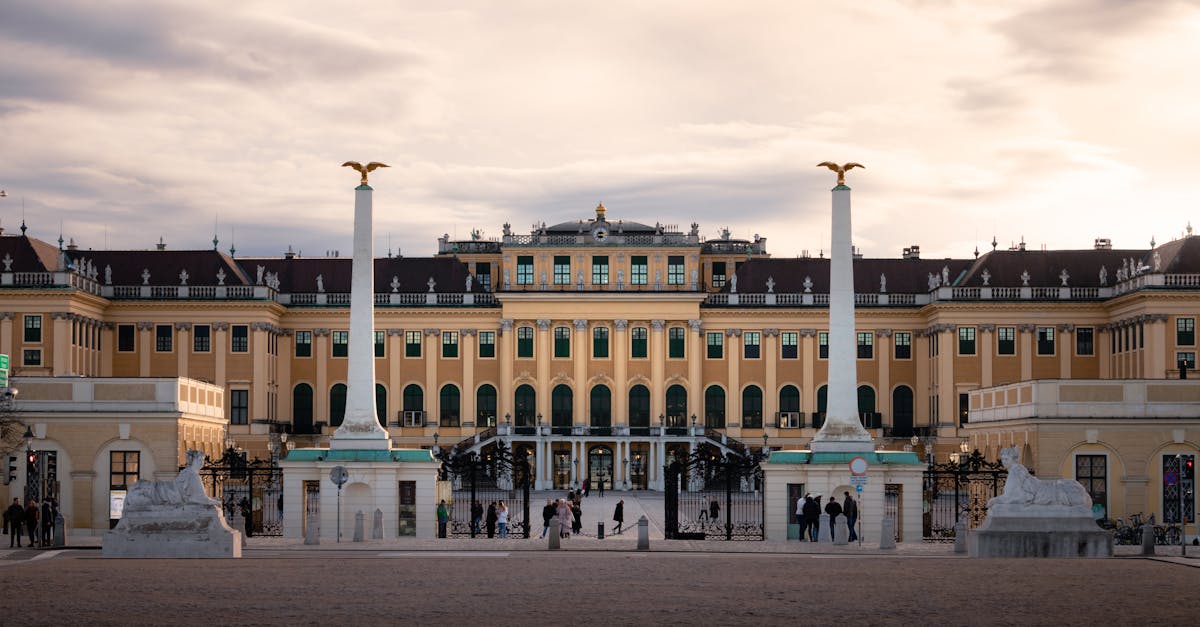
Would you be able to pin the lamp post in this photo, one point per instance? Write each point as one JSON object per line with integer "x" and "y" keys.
{"x": 29, "y": 457}
{"x": 693, "y": 424}
{"x": 765, "y": 450}
{"x": 436, "y": 448}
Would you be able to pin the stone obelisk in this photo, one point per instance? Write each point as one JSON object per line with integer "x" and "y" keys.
{"x": 842, "y": 431}
{"x": 360, "y": 429}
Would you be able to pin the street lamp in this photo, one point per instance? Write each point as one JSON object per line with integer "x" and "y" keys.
{"x": 765, "y": 449}
{"x": 539, "y": 419}
{"x": 508, "y": 419}
{"x": 28, "y": 439}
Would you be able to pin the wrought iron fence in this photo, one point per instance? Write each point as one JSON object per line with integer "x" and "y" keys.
{"x": 959, "y": 489}
{"x": 480, "y": 482}
{"x": 712, "y": 497}
{"x": 252, "y": 487}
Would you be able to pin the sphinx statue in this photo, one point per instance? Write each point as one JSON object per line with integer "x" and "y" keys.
{"x": 1022, "y": 488}
{"x": 185, "y": 489}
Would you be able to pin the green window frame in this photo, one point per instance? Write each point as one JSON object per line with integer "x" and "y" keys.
{"x": 716, "y": 344}
{"x": 718, "y": 274}
{"x": 676, "y": 338}
{"x": 524, "y": 269}
{"x": 600, "y": 270}
{"x": 33, "y": 328}
{"x": 562, "y": 269}
{"x": 675, "y": 270}
{"x": 1045, "y": 340}
{"x": 903, "y": 345}
{"x": 303, "y": 346}
{"x": 637, "y": 338}
{"x": 487, "y": 344}
{"x": 1085, "y": 341}
{"x": 412, "y": 343}
{"x": 525, "y": 342}
{"x": 341, "y": 343}
{"x": 966, "y": 340}
{"x": 751, "y": 345}
{"x": 823, "y": 345}
{"x": 449, "y": 344}
{"x": 1185, "y": 331}
{"x": 789, "y": 345}
{"x": 380, "y": 343}
{"x": 239, "y": 339}
{"x": 562, "y": 342}
{"x": 1006, "y": 341}
{"x": 600, "y": 342}
{"x": 639, "y": 270}
{"x": 866, "y": 345}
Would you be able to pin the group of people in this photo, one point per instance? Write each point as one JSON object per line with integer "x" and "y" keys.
{"x": 808, "y": 515}
{"x": 565, "y": 514}
{"x": 495, "y": 523}
{"x": 25, "y": 520}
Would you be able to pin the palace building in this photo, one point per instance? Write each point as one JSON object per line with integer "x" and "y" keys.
{"x": 604, "y": 347}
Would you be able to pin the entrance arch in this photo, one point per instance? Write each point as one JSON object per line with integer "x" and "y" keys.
{"x": 600, "y": 467}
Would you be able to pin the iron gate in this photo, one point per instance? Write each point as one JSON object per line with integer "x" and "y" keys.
{"x": 959, "y": 488}
{"x": 254, "y": 488}
{"x": 487, "y": 478}
{"x": 710, "y": 497}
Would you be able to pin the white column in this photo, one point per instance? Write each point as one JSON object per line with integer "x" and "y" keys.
{"x": 360, "y": 429}
{"x": 842, "y": 430}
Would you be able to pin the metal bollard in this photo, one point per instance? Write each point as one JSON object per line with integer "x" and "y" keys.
{"x": 960, "y": 536}
{"x": 60, "y": 531}
{"x": 1148, "y": 537}
{"x": 643, "y": 542}
{"x": 358, "y": 526}
{"x": 600, "y": 530}
{"x": 377, "y": 525}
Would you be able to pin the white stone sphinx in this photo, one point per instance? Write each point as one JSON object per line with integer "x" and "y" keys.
{"x": 173, "y": 519}
{"x": 1038, "y": 518}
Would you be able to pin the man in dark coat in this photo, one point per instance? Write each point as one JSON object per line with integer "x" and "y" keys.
{"x": 834, "y": 510}
{"x": 476, "y": 518}
{"x": 47, "y": 522}
{"x": 619, "y": 515}
{"x": 850, "y": 509}
{"x": 491, "y": 520}
{"x": 812, "y": 517}
{"x": 14, "y": 516}
{"x": 31, "y": 521}
{"x": 548, "y": 514}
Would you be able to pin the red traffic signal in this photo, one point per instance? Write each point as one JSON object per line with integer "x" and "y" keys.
{"x": 31, "y": 458}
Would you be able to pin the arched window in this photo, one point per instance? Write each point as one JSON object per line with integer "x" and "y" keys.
{"x": 448, "y": 400}
{"x": 485, "y": 406}
{"x": 866, "y": 406}
{"x": 337, "y": 404}
{"x": 561, "y": 400}
{"x": 752, "y": 407}
{"x": 601, "y": 401}
{"x": 524, "y": 406}
{"x": 414, "y": 398}
{"x": 789, "y": 407}
{"x": 714, "y": 407}
{"x": 381, "y": 404}
{"x": 676, "y": 406}
{"x": 822, "y": 406}
{"x": 302, "y": 408}
{"x": 639, "y": 407}
{"x": 902, "y": 412}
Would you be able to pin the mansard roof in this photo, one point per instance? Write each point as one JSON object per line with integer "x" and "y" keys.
{"x": 164, "y": 266}
{"x": 299, "y": 274}
{"x": 29, "y": 254}
{"x": 905, "y": 276}
{"x": 617, "y": 227}
{"x": 1045, "y": 267}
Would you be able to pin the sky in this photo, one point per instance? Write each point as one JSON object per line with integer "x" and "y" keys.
{"x": 1054, "y": 122}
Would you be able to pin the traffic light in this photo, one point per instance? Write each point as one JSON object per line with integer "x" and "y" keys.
{"x": 1189, "y": 467}
{"x": 51, "y": 467}
{"x": 11, "y": 475}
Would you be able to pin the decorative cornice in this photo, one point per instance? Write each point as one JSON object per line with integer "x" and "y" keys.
{"x": 183, "y": 326}
{"x": 658, "y": 325}
{"x": 695, "y": 325}
{"x": 770, "y": 332}
{"x": 883, "y": 333}
{"x": 429, "y": 332}
{"x": 543, "y": 324}
{"x": 580, "y": 324}
{"x": 620, "y": 324}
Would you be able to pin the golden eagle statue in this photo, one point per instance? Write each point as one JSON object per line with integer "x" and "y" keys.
{"x": 840, "y": 169}
{"x": 364, "y": 169}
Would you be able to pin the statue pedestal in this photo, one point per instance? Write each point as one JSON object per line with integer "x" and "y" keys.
{"x": 1012, "y": 530}
{"x": 185, "y": 531}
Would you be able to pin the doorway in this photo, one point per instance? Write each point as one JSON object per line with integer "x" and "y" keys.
{"x": 600, "y": 467}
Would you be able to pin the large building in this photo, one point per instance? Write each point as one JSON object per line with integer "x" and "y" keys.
{"x": 605, "y": 346}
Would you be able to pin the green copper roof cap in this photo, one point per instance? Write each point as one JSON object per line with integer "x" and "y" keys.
{"x": 363, "y": 186}
{"x": 841, "y": 187}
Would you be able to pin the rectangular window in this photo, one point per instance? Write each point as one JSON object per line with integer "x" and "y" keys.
{"x": 1183, "y": 468}
{"x": 483, "y": 276}
{"x": 1185, "y": 331}
{"x": 202, "y": 338}
{"x": 487, "y": 344}
{"x": 718, "y": 274}
{"x": 675, "y": 270}
{"x": 638, "y": 338}
{"x": 562, "y": 342}
{"x": 1091, "y": 471}
{"x": 239, "y": 339}
{"x": 239, "y": 407}
{"x": 675, "y": 342}
{"x": 449, "y": 344}
{"x": 163, "y": 338}
{"x": 1045, "y": 340}
{"x": 31, "y": 357}
{"x": 33, "y": 328}
{"x": 304, "y": 343}
{"x": 126, "y": 338}
{"x": 380, "y": 343}
{"x": 866, "y": 345}
{"x": 823, "y": 345}
{"x": 966, "y": 340}
{"x": 600, "y": 270}
{"x": 933, "y": 344}
{"x": 1006, "y": 341}
{"x": 341, "y": 343}
{"x": 562, "y": 269}
{"x": 600, "y": 342}
{"x": 525, "y": 342}
{"x": 903, "y": 345}
{"x": 412, "y": 343}
{"x": 789, "y": 342}
{"x": 1085, "y": 343}
{"x": 716, "y": 345}
{"x": 1185, "y": 359}
{"x": 123, "y": 469}
{"x": 751, "y": 344}
{"x": 964, "y": 407}
{"x": 639, "y": 270}
{"x": 525, "y": 270}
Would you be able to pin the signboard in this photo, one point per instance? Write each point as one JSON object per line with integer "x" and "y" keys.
{"x": 858, "y": 481}
{"x": 1170, "y": 477}
{"x": 339, "y": 475}
{"x": 3, "y": 361}
{"x": 858, "y": 489}
{"x": 3, "y": 378}
{"x": 858, "y": 465}
{"x": 116, "y": 503}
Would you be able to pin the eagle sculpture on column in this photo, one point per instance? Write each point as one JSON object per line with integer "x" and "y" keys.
{"x": 840, "y": 169}
{"x": 364, "y": 169}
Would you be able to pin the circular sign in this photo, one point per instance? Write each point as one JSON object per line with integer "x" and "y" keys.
{"x": 858, "y": 465}
{"x": 339, "y": 475}
{"x": 1170, "y": 477}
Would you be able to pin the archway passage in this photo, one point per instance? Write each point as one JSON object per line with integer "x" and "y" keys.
{"x": 600, "y": 467}
{"x": 302, "y": 409}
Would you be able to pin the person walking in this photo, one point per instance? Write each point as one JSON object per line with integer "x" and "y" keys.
{"x": 31, "y": 521}
{"x": 834, "y": 510}
{"x": 850, "y": 509}
{"x": 502, "y": 519}
{"x": 443, "y": 516}
{"x": 601, "y": 485}
{"x": 491, "y": 519}
{"x": 619, "y": 515}
{"x": 714, "y": 511}
{"x": 564, "y": 518}
{"x": 812, "y": 517}
{"x": 476, "y": 518}
{"x": 47, "y": 522}
{"x": 548, "y": 513}
{"x": 587, "y": 486}
{"x": 800, "y": 516}
{"x": 576, "y": 513}
{"x": 14, "y": 515}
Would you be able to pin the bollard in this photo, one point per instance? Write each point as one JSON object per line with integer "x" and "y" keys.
{"x": 600, "y": 530}
{"x": 377, "y": 525}
{"x": 358, "y": 526}
{"x": 823, "y": 529}
{"x": 841, "y": 533}
{"x": 60, "y": 531}
{"x": 960, "y": 535}
{"x": 312, "y": 534}
{"x": 887, "y": 534}
{"x": 239, "y": 525}
{"x": 643, "y": 542}
{"x": 555, "y": 540}
{"x": 1148, "y": 537}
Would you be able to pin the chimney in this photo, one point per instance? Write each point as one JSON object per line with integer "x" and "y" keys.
{"x": 1102, "y": 243}
{"x": 289, "y": 254}
{"x": 161, "y": 245}
{"x": 912, "y": 252}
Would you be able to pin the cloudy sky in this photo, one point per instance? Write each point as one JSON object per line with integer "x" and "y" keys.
{"x": 1058, "y": 122}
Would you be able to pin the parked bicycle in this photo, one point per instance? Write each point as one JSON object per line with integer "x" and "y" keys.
{"x": 1131, "y": 533}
